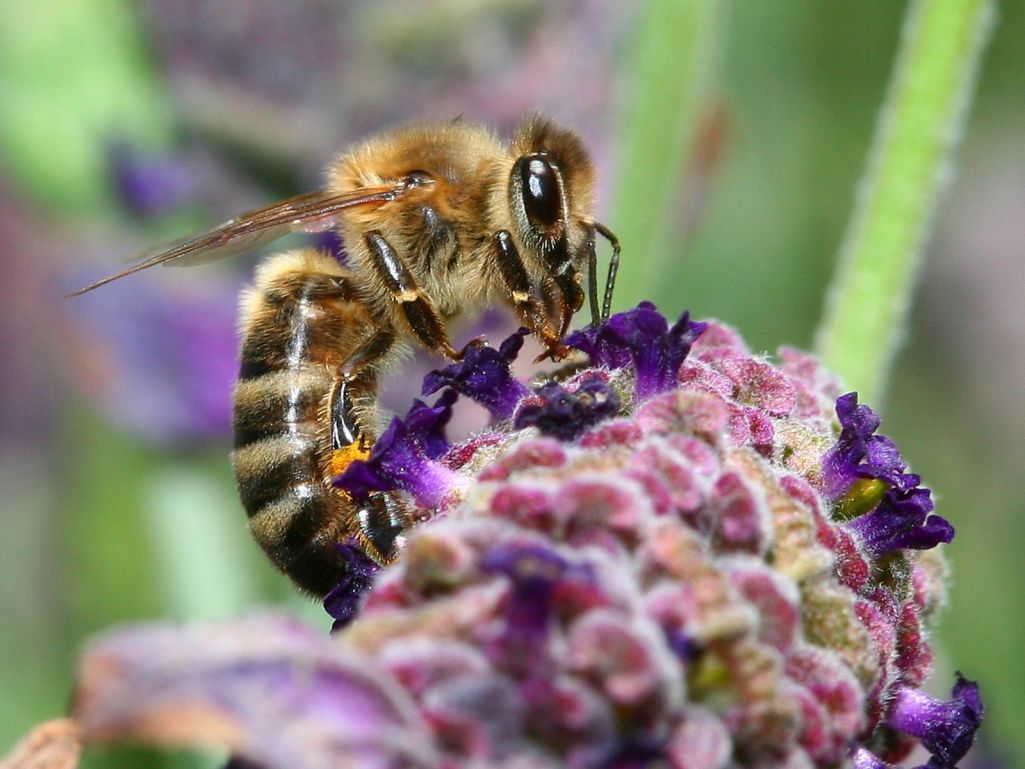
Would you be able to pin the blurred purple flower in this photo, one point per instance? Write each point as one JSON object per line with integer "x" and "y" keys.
{"x": 150, "y": 185}
{"x": 293, "y": 84}
{"x": 168, "y": 357}
{"x": 276, "y": 693}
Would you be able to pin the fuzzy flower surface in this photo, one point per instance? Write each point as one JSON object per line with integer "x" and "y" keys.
{"x": 680, "y": 555}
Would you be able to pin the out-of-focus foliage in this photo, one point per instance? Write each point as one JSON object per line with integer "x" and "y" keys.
{"x": 105, "y": 520}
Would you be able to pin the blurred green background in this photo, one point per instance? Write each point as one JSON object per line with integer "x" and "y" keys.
{"x": 124, "y": 123}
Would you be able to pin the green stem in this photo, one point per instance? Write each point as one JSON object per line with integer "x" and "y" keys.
{"x": 919, "y": 128}
{"x": 672, "y": 61}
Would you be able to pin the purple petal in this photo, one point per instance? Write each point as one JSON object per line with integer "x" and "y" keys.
{"x": 483, "y": 375}
{"x": 864, "y": 476}
{"x": 330, "y": 240}
{"x": 860, "y": 453}
{"x": 683, "y": 645}
{"x": 402, "y": 457}
{"x": 640, "y": 336}
{"x": 428, "y": 423}
{"x": 863, "y": 758}
{"x": 901, "y": 520}
{"x": 273, "y": 692}
{"x": 945, "y": 729}
{"x": 342, "y": 602}
{"x": 565, "y": 415}
{"x": 536, "y": 572}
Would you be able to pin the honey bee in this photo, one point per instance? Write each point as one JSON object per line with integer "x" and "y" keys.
{"x": 436, "y": 220}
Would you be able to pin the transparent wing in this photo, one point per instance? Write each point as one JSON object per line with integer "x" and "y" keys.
{"x": 312, "y": 212}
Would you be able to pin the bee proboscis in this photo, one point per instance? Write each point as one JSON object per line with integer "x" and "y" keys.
{"x": 436, "y": 220}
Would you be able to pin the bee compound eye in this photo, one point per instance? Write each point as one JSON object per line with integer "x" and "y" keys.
{"x": 542, "y": 196}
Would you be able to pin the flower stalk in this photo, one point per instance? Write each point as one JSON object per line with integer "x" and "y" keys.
{"x": 909, "y": 165}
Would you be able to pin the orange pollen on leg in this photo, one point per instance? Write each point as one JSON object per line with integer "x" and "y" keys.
{"x": 345, "y": 456}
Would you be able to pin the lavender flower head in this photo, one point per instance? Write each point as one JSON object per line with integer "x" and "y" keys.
{"x": 681, "y": 555}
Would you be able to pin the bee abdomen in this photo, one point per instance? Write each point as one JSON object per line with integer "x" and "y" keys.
{"x": 278, "y": 402}
{"x": 297, "y": 320}
{"x": 298, "y": 530}
{"x": 267, "y": 468}
{"x": 294, "y": 515}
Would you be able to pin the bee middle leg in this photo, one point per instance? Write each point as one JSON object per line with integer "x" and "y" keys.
{"x": 530, "y": 311}
{"x": 416, "y": 308}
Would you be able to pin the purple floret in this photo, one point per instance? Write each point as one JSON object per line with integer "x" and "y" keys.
{"x": 402, "y": 458}
{"x": 902, "y": 521}
{"x": 428, "y": 423}
{"x": 641, "y": 337}
{"x": 945, "y": 729}
{"x": 534, "y": 571}
{"x": 566, "y": 415}
{"x": 860, "y": 453}
{"x": 683, "y": 645}
{"x": 863, "y": 758}
{"x": 483, "y": 375}
{"x": 342, "y": 602}
{"x": 536, "y": 574}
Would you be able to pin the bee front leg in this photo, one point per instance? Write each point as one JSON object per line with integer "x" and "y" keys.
{"x": 591, "y": 248}
{"x": 416, "y": 308}
{"x": 529, "y": 310}
{"x": 610, "y": 280}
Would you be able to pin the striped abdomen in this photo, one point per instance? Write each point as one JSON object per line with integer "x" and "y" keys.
{"x": 300, "y": 322}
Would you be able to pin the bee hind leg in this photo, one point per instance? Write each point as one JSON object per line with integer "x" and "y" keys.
{"x": 381, "y": 519}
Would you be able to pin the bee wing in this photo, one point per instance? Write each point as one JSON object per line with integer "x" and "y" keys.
{"x": 312, "y": 212}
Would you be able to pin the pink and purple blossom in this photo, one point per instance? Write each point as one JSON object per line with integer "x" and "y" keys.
{"x": 678, "y": 579}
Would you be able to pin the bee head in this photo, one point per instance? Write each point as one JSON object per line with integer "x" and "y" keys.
{"x": 550, "y": 184}
{"x": 550, "y": 196}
